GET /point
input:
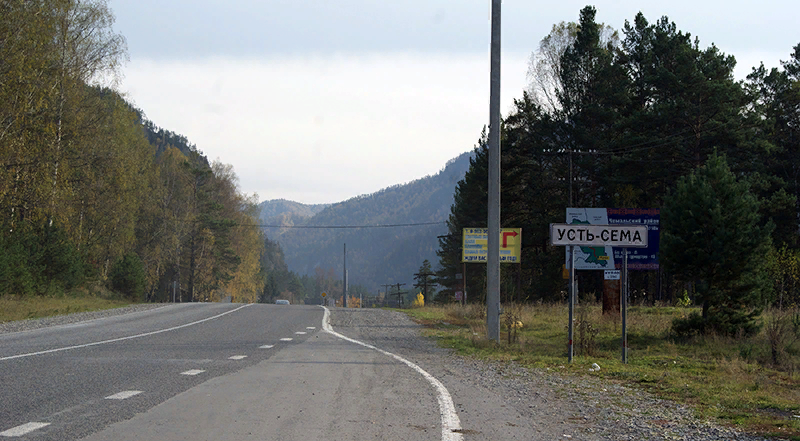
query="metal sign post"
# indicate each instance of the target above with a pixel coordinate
(624, 300)
(571, 300)
(593, 237)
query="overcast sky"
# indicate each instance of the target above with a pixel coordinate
(318, 101)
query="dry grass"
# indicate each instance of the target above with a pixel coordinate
(14, 308)
(731, 379)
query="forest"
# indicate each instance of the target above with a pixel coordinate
(646, 118)
(96, 197)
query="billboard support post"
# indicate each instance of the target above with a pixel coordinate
(571, 300)
(624, 300)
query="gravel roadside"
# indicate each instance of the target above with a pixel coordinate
(559, 406)
(67, 319)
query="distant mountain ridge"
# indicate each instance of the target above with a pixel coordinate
(282, 208)
(375, 256)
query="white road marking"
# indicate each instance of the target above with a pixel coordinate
(311, 327)
(123, 395)
(66, 348)
(286, 339)
(266, 347)
(193, 372)
(23, 429)
(237, 357)
(451, 425)
(300, 333)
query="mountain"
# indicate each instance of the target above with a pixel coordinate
(375, 256)
(281, 209)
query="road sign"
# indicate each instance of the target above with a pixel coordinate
(598, 235)
(323, 294)
(638, 258)
(611, 275)
(475, 245)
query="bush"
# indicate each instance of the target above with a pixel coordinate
(722, 321)
(38, 260)
(127, 276)
(61, 262)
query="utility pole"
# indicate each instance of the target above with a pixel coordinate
(344, 285)
(386, 293)
(399, 295)
(423, 283)
(493, 258)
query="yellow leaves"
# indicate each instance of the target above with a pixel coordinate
(419, 302)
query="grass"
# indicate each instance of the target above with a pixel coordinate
(733, 381)
(14, 308)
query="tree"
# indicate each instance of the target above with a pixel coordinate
(775, 95)
(712, 234)
(127, 276)
(544, 66)
(425, 281)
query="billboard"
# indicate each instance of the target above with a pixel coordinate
(475, 245)
(606, 258)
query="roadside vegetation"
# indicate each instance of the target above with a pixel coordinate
(750, 382)
(15, 307)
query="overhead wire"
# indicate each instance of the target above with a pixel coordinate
(343, 227)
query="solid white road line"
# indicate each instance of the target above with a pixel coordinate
(237, 357)
(266, 347)
(66, 348)
(23, 429)
(193, 372)
(123, 395)
(300, 333)
(286, 339)
(450, 422)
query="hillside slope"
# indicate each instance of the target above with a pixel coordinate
(376, 256)
(277, 209)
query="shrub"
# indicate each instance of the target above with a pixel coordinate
(38, 259)
(127, 276)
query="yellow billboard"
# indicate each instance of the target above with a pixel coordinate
(475, 245)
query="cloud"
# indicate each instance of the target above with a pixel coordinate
(199, 28)
(325, 128)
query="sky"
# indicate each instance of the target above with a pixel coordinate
(318, 101)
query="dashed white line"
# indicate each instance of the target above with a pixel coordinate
(23, 429)
(451, 425)
(311, 327)
(130, 337)
(300, 333)
(237, 357)
(123, 395)
(193, 372)
(286, 339)
(266, 347)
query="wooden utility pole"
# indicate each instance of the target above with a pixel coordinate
(423, 284)
(400, 295)
(386, 291)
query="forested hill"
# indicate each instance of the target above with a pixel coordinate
(278, 211)
(377, 255)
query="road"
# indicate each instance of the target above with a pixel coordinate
(208, 372)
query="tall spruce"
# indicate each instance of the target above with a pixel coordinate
(712, 234)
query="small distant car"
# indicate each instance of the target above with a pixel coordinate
(281, 302)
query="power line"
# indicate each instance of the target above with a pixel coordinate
(340, 227)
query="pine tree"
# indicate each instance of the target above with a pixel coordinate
(712, 234)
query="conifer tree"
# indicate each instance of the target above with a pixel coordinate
(712, 234)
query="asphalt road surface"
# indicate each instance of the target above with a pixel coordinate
(208, 372)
